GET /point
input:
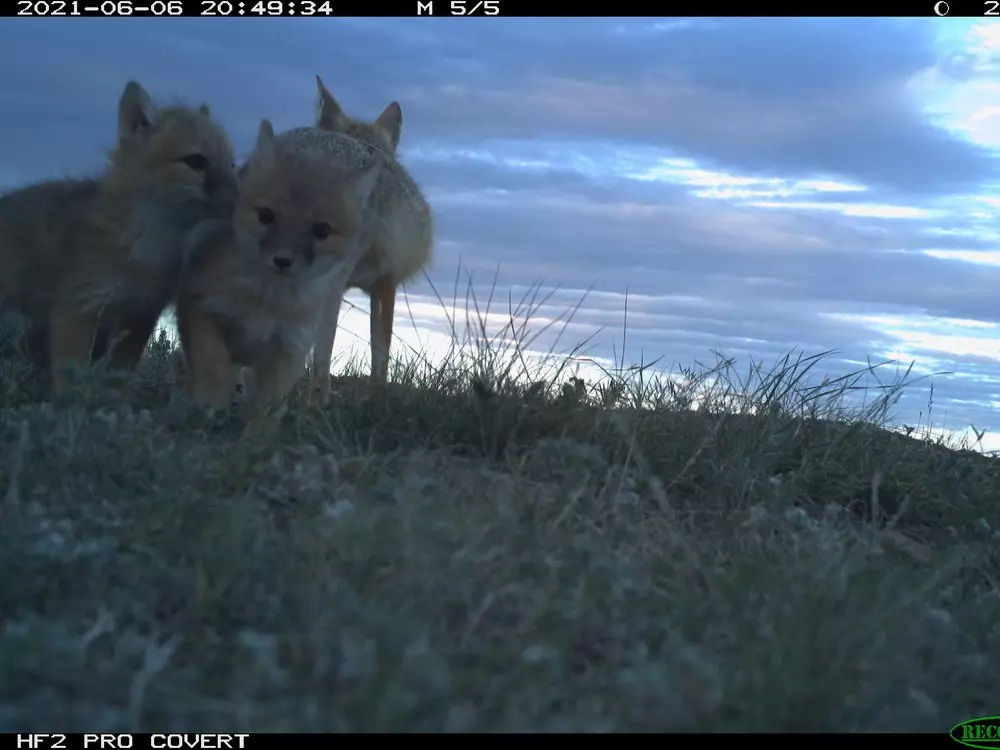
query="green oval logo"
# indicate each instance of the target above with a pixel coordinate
(983, 732)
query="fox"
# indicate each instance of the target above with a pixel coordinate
(92, 263)
(253, 289)
(401, 246)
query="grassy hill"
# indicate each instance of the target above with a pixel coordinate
(457, 552)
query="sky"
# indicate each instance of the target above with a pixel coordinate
(756, 186)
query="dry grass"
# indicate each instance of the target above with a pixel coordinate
(489, 546)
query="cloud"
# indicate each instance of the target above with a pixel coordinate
(790, 98)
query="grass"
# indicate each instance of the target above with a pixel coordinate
(494, 545)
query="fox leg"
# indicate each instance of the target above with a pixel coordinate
(319, 388)
(383, 303)
(274, 378)
(71, 339)
(125, 355)
(181, 374)
(209, 367)
(34, 343)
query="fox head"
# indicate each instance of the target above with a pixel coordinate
(175, 154)
(384, 132)
(299, 215)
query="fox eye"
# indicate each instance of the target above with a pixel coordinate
(197, 162)
(321, 231)
(265, 216)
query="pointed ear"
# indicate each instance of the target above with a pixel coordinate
(329, 116)
(205, 110)
(363, 180)
(265, 133)
(263, 149)
(136, 112)
(391, 121)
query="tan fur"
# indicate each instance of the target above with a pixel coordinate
(182, 375)
(38, 224)
(84, 257)
(253, 292)
(402, 242)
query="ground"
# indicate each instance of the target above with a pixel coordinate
(467, 551)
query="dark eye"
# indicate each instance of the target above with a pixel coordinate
(197, 162)
(321, 231)
(265, 216)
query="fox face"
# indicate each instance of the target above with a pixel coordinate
(176, 154)
(297, 215)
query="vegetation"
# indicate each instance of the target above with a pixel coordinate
(489, 545)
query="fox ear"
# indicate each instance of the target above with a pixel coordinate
(265, 132)
(136, 112)
(391, 121)
(363, 181)
(329, 116)
(263, 150)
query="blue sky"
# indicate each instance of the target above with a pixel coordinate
(756, 184)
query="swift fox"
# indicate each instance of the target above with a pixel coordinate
(401, 244)
(252, 293)
(82, 258)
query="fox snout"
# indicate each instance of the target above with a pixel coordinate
(282, 260)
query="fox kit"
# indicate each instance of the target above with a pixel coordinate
(401, 244)
(253, 293)
(83, 257)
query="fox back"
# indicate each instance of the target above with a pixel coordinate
(404, 232)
